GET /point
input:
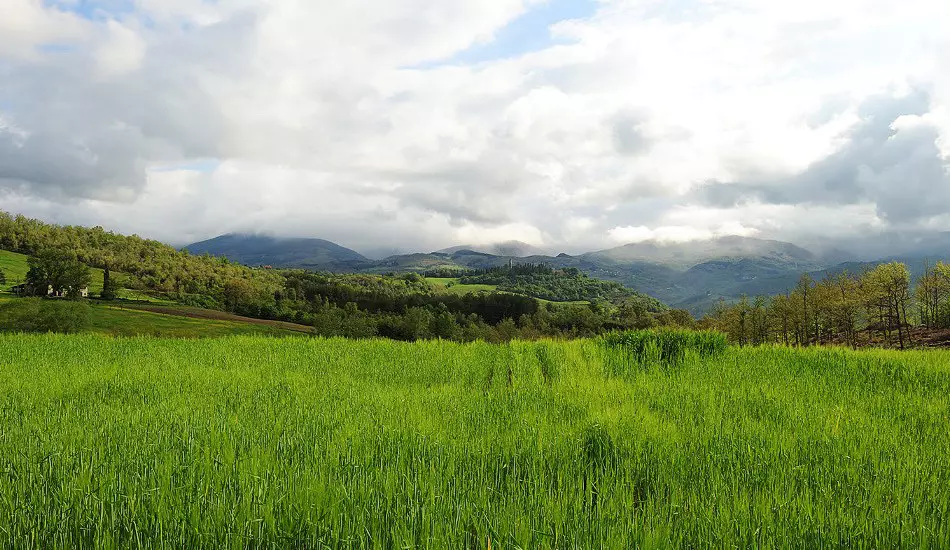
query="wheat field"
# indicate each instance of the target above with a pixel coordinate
(254, 442)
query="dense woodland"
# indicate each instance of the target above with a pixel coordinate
(559, 285)
(880, 306)
(404, 307)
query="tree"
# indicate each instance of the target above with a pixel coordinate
(780, 312)
(802, 290)
(239, 296)
(846, 305)
(58, 271)
(933, 293)
(888, 294)
(108, 285)
(3, 278)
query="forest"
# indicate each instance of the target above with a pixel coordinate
(558, 285)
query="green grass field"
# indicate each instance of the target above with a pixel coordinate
(309, 443)
(452, 286)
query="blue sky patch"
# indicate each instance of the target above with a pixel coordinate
(528, 33)
(95, 9)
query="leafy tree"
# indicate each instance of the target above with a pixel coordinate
(3, 278)
(57, 271)
(933, 294)
(109, 287)
(888, 291)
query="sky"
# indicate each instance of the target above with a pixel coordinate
(418, 124)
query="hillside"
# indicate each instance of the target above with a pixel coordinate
(136, 313)
(559, 285)
(255, 250)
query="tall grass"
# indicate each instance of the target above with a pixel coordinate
(253, 442)
(665, 348)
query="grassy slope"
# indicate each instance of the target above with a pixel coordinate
(165, 319)
(452, 286)
(246, 442)
(121, 319)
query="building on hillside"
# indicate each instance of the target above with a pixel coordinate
(27, 290)
(83, 292)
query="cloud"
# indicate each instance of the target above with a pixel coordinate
(677, 233)
(888, 158)
(342, 120)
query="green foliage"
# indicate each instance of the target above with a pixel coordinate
(110, 288)
(152, 265)
(40, 315)
(872, 308)
(311, 443)
(559, 285)
(58, 272)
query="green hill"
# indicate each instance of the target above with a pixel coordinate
(137, 313)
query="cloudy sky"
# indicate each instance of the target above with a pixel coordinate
(418, 124)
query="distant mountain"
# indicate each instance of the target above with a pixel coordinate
(693, 275)
(691, 253)
(514, 249)
(256, 250)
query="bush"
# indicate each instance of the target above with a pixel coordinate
(40, 315)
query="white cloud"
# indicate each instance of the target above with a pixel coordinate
(121, 52)
(335, 119)
(677, 233)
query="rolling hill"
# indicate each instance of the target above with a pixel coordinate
(254, 250)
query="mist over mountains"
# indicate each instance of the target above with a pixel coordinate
(692, 275)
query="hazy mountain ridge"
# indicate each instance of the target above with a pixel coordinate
(515, 249)
(692, 275)
(256, 250)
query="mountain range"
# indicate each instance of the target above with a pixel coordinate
(692, 275)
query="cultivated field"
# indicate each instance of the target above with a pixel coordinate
(309, 443)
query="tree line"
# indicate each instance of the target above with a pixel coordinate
(878, 306)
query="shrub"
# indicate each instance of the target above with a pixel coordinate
(40, 315)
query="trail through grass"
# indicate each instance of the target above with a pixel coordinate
(308, 443)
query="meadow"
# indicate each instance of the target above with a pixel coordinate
(308, 443)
